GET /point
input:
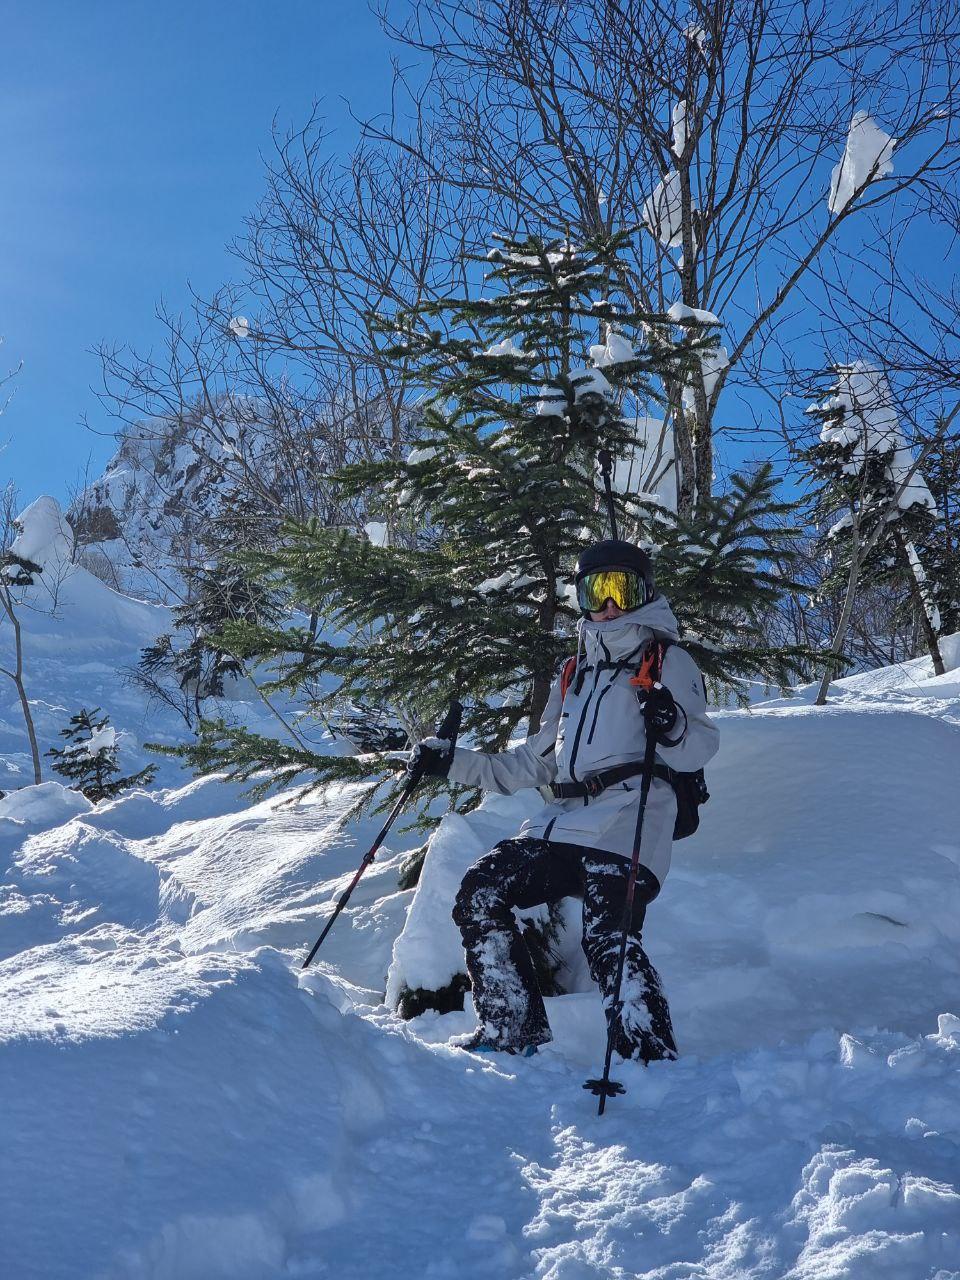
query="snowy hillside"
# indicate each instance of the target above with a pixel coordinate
(180, 1101)
(81, 641)
(79, 638)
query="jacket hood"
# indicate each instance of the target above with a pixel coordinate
(620, 636)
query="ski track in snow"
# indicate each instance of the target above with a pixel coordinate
(180, 1101)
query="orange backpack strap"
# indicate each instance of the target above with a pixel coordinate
(566, 676)
(651, 666)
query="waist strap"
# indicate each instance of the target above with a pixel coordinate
(598, 782)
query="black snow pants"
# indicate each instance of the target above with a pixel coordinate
(525, 873)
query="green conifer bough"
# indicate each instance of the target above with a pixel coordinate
(487, 514)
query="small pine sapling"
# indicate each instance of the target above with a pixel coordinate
(89, 758)
(487, 512)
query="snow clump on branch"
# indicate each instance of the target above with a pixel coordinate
(696, 35)
(508, 347)
(553, 399)
(616, 350)
(680, 313)
(663, 211)
(102, 739)
(867, 156)
(679, 139)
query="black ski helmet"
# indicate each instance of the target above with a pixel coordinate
(615, 554)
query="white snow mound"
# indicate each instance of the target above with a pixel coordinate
(43, 536)
(182, 1100)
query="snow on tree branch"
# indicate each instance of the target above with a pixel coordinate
(663, 211)
(861, 414)
(553, 400)
(867, 156)
(615, 350)
(508, 347)
(697, 35)
(679, 130)
(680, 313)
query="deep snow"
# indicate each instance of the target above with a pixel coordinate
(180, 1101)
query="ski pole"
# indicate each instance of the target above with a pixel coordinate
(605, 1087)
(448, 730)
(605, 458)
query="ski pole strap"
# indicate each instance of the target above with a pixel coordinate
(598, 782)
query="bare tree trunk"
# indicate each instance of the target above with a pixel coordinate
(920, 602)
(16, 675)
(683, 460)
(841, 632)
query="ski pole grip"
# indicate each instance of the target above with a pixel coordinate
(449, 727)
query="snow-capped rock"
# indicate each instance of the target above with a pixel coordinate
(44, 540)
(158, 485)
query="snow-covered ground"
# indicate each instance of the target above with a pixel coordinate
(80, 639)
(180, 1101)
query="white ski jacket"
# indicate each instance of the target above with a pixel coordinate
(597, 725)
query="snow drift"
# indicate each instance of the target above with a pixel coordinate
(181, 1101)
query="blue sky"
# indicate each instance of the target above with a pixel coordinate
(131, 135)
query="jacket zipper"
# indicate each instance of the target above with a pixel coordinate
(583, 714)
(596, 711)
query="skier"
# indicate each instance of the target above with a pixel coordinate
(588, 751)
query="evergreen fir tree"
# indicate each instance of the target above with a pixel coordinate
(862, 466)
(89, 758)
(722, 570)
(939, 546)
(491, 509)
(219, 591)
(190, 654)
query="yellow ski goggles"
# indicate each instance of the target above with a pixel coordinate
(625, 588)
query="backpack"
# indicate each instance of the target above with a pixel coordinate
(689, 788)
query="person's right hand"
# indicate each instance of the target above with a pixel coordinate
(431, 757)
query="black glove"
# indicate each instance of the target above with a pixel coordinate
(660, 711)
(432, 757)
